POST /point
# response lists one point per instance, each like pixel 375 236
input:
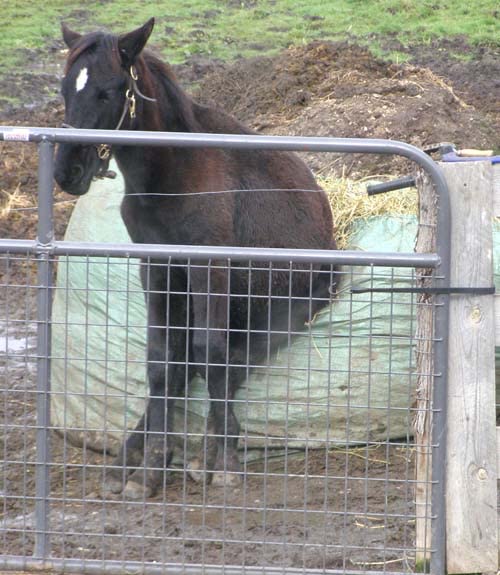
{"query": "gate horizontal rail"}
pixel 235 141
pixel 254 142
pixel 114 567
pixel 165 251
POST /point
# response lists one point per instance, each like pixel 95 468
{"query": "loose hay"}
pixel 12 202
pixel 349 202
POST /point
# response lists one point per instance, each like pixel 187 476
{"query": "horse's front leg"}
pixel 130 455
pixel 167 367
pixel 139 469
pixel 210 297
pixel 146 478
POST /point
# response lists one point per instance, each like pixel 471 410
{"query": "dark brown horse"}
pixel 217 319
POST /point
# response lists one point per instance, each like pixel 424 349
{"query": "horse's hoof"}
pixel 196 472
pixel 225 479
pixel 111 487
pixel 137 491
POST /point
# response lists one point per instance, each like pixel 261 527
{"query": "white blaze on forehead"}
pixel 82 78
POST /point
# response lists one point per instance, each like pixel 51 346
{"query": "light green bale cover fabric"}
pixel 348 378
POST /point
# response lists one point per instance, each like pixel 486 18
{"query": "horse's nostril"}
pixel 76 172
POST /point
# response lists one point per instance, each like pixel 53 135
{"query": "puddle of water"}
pixel 16 343
pixel 28 521
pixel 13 344
pixel 54 65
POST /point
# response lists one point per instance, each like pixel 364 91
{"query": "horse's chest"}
pixel 154 223
pixel 141 221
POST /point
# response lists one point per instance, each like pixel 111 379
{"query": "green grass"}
pixel 230 28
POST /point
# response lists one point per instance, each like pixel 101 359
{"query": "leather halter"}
pixel 104 150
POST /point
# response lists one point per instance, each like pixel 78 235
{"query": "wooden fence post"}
pixel 472 537
pixel 471 510
pixel 426 243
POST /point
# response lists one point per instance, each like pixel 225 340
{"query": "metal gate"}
pixel 319 497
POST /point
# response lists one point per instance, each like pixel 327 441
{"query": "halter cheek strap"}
pixel 104 150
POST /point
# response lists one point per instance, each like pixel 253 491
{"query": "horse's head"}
pixel 98 90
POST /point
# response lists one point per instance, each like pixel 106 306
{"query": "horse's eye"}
pixel 103 96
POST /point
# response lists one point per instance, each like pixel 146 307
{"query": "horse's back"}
pixel 280 203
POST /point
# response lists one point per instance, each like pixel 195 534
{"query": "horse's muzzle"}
pixel 75 167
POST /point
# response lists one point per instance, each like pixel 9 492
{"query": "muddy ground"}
pixel 319 510
pixel 331 508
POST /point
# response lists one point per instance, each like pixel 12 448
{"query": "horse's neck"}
pixel 173 110
pixel 152 169
pixel 144 168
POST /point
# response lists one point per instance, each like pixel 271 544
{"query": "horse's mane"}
pixel 177 105
pixel 184 114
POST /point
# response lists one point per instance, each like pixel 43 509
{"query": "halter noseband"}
pixel 104 150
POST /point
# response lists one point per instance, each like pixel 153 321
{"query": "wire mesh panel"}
pixel 18 342
pixel 317 387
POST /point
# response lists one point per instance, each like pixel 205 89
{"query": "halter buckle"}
pixel 103 151
pixel 131 103
pixel 133 73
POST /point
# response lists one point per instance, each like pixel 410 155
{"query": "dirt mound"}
pixel 474 71
pixel 341 90
pixel 265 86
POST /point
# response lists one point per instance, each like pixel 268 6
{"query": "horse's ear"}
pixel 69 36
pixel 131 45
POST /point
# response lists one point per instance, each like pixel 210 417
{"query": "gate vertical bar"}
pixel 45 237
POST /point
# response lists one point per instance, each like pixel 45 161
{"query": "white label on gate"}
pixel 17 135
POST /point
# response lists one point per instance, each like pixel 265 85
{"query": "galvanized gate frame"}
pixel 45 248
